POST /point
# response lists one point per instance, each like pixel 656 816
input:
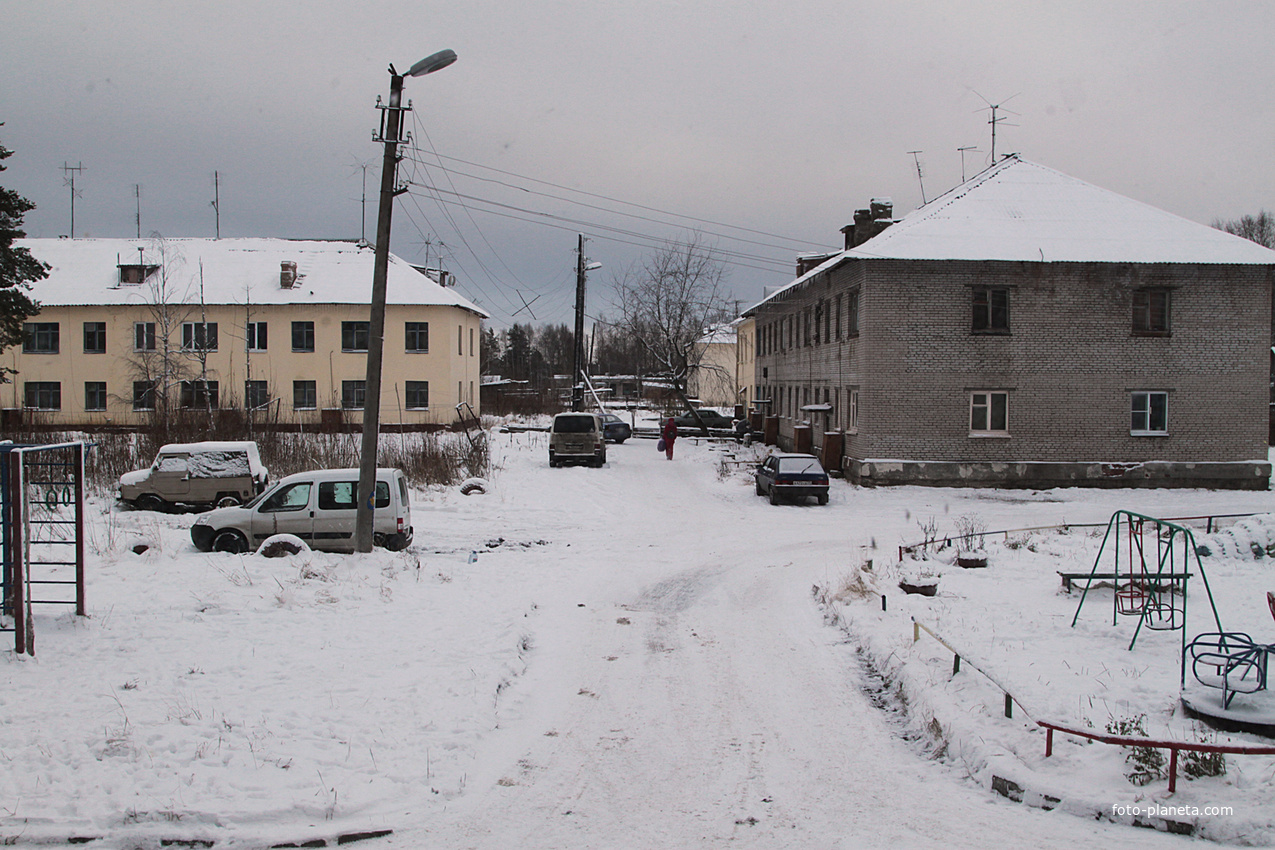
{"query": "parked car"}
pixel 197 475
pixel 577 438
pixel 614 428
pixel 711 418
pixel 318 507
pixel 792 477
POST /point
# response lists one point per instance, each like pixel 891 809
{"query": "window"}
pixel 354 336
pixel 95 395
pixel 136 273
pixel 839 317
pixel 39 337
pixel 143 395
pixel 460 343
pixel 1149 414
pixel 989 413
pixel 417 334
pixel 44 395
pixel 143 336
pixel 852 412
pixel 1151 312
pixel 353 394
pixel 343 495
pixel 199 394
pixel 256 394
pixel 303 336
pixel 471 342
pixel 818 322
pixel 256 336
pixel 417 393
pixel 991 310
pixel 95 337
pixel 305 395
pixel 827 324
pixel 852 313
pixel 294 497
pixel 199 336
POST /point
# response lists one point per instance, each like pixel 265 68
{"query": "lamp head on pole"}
pixel 435 62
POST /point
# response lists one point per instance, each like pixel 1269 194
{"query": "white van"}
pixel 204 474
pixel 318 507
pixel 577 438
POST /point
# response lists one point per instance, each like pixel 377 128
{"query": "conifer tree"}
pixel 18 269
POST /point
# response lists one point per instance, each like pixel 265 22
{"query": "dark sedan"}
pixel 712 419
pixel 794 477
pixel 615 429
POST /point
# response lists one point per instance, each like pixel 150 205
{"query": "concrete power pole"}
pixel 577 372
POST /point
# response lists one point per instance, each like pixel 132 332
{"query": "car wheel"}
pixel 760 490
pixel 396 542
pixel 823 499
pixel 228 502
pixel 620 441
pixel 149 502
pixel 230 541
pixel 774 497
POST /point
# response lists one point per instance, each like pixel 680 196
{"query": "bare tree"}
pixel 1259 228
pixel 668 302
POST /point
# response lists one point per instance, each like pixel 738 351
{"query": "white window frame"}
pixel 1146 413
pixel 984 399
pixel 852 411
pixel 255 334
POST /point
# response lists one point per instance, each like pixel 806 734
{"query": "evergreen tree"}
pixel 18 269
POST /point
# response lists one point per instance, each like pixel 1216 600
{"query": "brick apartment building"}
pixel 1026 329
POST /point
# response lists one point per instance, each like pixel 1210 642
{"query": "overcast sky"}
pixel 778 118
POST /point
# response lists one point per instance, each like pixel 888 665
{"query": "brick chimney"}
pixel 287 274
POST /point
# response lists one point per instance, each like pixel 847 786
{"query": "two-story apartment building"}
pixel 272 326
pixel 1029 329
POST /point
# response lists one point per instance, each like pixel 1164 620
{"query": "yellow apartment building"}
pixel 274 326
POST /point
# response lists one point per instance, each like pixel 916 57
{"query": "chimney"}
pixel 287 274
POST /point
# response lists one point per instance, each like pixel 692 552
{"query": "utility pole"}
pixel 391 116
pixel 577 373
pixel 72 170
pixel 216 202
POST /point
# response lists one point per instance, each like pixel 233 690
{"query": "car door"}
pixel 288 510
pixel 170 477
pixel 766 474
pixel 337 514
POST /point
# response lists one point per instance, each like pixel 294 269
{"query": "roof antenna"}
pixel 994 120
pixel 919 178
pixel 962 153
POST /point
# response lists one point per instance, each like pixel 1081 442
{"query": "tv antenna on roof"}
pixel 919 178
pixel 962 151
pixel 994 120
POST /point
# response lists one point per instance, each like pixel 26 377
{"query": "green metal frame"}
pixel 1166 557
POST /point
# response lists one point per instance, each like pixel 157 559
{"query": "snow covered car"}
pixel 792 477
pixel 197 475
pixel 318 507
pixel 615 429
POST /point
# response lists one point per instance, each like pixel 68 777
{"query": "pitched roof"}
pixel 1018 210
pixel 1021 211
pixel 233 271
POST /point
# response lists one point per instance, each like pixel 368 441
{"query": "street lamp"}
pixel 391 121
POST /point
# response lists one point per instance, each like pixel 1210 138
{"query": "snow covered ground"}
pixel 624 657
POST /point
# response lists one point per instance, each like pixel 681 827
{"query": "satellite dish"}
pixel 430 64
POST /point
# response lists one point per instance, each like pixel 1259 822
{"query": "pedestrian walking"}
pixel 670 434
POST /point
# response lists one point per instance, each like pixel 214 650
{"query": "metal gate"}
pixel 41 534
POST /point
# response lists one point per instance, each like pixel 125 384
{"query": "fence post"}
pixel 956 664
pixel 1009 706
pixel 1173 769
pixel 916 631
pixel 1049 741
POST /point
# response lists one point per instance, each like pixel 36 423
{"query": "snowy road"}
pixel 686 693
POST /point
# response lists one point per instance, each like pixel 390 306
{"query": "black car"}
pixel 712 419
pixel 615 429
pixel 792 476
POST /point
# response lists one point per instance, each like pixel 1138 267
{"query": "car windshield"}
pixel 799 465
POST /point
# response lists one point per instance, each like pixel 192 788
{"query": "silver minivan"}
pixel 577 438
pixel 318 507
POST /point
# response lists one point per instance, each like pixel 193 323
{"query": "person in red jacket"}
pixel 670 434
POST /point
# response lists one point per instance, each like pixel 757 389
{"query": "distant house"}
pixel 1027 329
pixel 273 327
pixel 712 377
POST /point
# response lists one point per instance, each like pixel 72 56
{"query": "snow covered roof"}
pixel 725 333
pixel 1021 211
pixel 234 271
